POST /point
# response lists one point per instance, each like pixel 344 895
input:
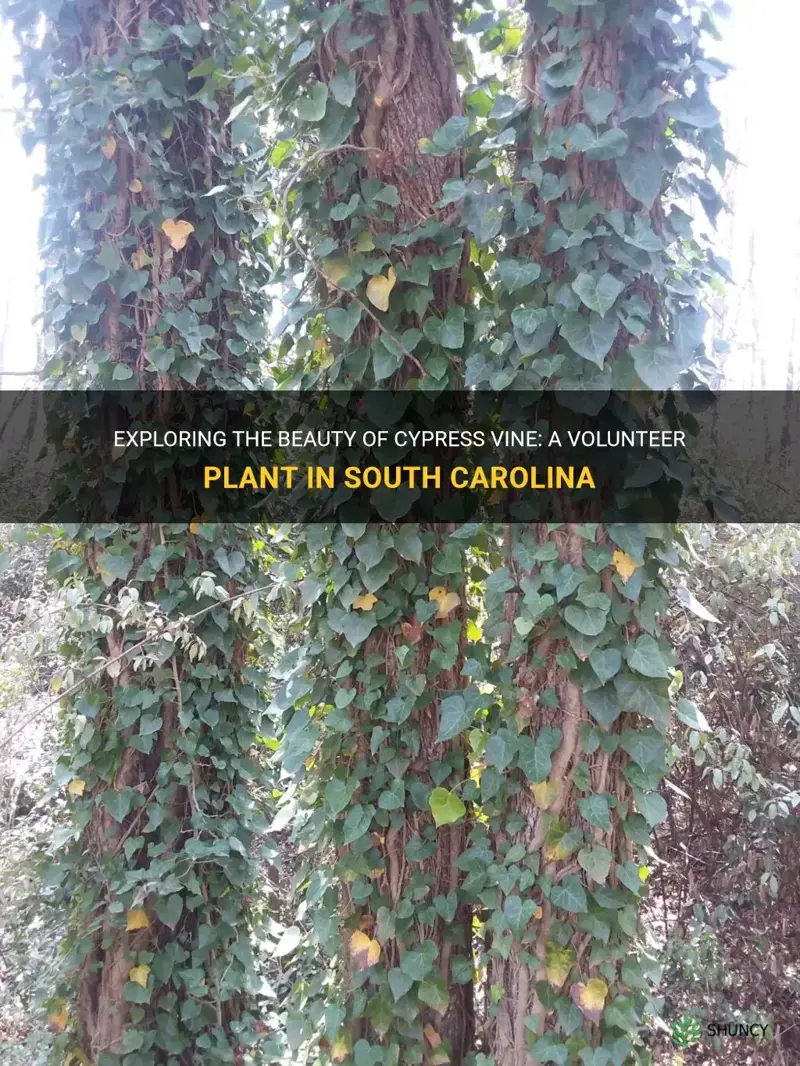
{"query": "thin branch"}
pixel 128 651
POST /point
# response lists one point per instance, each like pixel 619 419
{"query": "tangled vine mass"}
pixel 469 728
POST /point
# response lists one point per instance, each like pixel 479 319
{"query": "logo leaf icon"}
pixel 685 1032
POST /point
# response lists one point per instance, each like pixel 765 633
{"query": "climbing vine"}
pixel 556 246
pixel 473 727
pixel 153 279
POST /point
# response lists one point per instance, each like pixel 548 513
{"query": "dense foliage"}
pixel 474 721
pixel 508 682
pixel 151 280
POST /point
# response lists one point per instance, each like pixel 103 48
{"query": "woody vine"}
pixel 472 730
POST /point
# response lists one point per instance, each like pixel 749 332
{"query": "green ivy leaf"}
pixel 590 336
pixel 599 103
pixel 645 657
pixel 446 807
pixel 596 810
pixel 419 963
pixel 447 331
pixel 343 87
pixel 357 822
pixel 691 715
pixel 591 621
pixel 596 861
pixel 529 319
pixel 606 663
pixel 448 137
pixel 658 365
pixel 484 215
pixel 645 747
pixel 598 291
pixel 603 705
pixel 651 805
pixel 569 895
pixel 517 273
pixel 312 108
pixel 640 173
pixel 454 717
pixel 338 794
pixel 433 992
pixel 118 802
pixel 399 982
pixel 169 909
pixel 536 756
pixel 343 322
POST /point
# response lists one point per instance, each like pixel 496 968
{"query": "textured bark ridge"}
pixel 408 84
pixel 412 91
pixel 440 872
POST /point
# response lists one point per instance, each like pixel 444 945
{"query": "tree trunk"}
pixel 143 286
pixel 538 978
pixel 407 89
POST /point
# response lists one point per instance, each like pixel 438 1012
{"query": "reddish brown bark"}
pixel 520 1016
pixel 408 82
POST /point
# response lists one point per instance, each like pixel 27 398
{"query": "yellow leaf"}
pixel 544 793
pixel 109 147
pixel 365 241
pixel 379 288
pixel 177 232
pixel 538 913
pixel 432 1036
pixel 76 1057
pixel 447 601
pixel 139 975
pixel 139 259
pixel 448 604
pixel 624 565
pixel 59 1019
pixel 76 787
pixel 558 851
pixel 135 185
pixel 594 994
pixel 557 963
pixel 137 919
pixel 364 951
pixel 365 602
pixel 341 1047
pixel 334 270
pixel 473 631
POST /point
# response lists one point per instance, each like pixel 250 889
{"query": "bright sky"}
pixel 760 237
